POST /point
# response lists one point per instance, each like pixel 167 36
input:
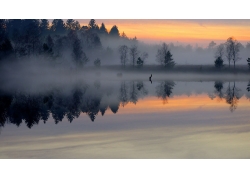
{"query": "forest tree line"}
pixel 28 38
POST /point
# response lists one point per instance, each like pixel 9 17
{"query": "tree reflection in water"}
pixel 164 90
pixel 83 98
pixel 232 96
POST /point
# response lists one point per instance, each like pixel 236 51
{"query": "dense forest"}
pixel 67 43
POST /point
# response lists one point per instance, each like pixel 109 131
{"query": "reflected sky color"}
pixel 200 32
pixel 193 126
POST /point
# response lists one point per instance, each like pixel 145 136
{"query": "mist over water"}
pixel 89 93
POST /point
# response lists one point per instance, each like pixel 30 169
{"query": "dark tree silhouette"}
pixel 5 102
pixel 3 30
pixel 164 57
pixel 218 85
pixel 103 29
pixel 123 51
pixel 141 88
pixel 31 35
pixel 103 107
pixel 219 56
pixel 133 94
pixel 164 90
pixel 211 45
pixel 44 27
pixel 58 27
pixel 123 96
pixel 48 47
pixel 133 51
pixel 78 54
pixel 232 50
pixel 114 32
pixel 93 41
pixel 232 97
pixel 124 36
pixel 248 87
pixel 114 106
pixel 248 62
pixel 6 49
pixel 139 62
pixel 71 24
pixel 93 26
pixel 218 63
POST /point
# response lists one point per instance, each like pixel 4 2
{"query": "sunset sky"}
pixel 186 31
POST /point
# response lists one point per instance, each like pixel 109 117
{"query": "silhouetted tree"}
pixel 114 32
pixel 218 85
pixel 124 36
pixel 123 94
pixel 93 27
pixel 5 102
pixel 232 97
pixel 58 27
pixel 164 57
pixel 133 93
pixel 139 62
pixel 141 88
pixel 31 35
pixel 71 24
pixel 3 29
pixel 248 62
pixel 248 86
pixel 79 56
pixel 44 27
pixel 114 106
pixel 232 50
pixel 133 51
pixel 218 63
pixel 211 45
pixel 134 40
pixel 123 51
pixel 164 90
pixel 93 41
pixel 103 29
pixel 6 49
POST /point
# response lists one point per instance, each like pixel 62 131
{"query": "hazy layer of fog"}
pixel 38 76
pixel 182 54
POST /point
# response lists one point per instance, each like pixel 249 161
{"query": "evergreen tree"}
pixel 44 27
pixel 79 56
pixel 71 24
pixel 58 26
pixel 6 49
pixel 103 29
pixel 139 62
pixel 164 56
pixel 114 32
pixel 218 62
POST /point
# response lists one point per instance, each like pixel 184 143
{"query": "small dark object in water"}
pixel 150 78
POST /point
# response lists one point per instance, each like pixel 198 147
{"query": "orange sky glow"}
pixel 178 104
pixel 193 32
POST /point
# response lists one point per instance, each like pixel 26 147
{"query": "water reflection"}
pixel 164 90
pixel 96 98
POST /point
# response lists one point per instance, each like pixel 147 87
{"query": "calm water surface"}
pixel 127 119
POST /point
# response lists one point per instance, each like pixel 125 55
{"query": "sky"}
pixel 180 31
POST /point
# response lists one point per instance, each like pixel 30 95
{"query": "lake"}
pixel 120 118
